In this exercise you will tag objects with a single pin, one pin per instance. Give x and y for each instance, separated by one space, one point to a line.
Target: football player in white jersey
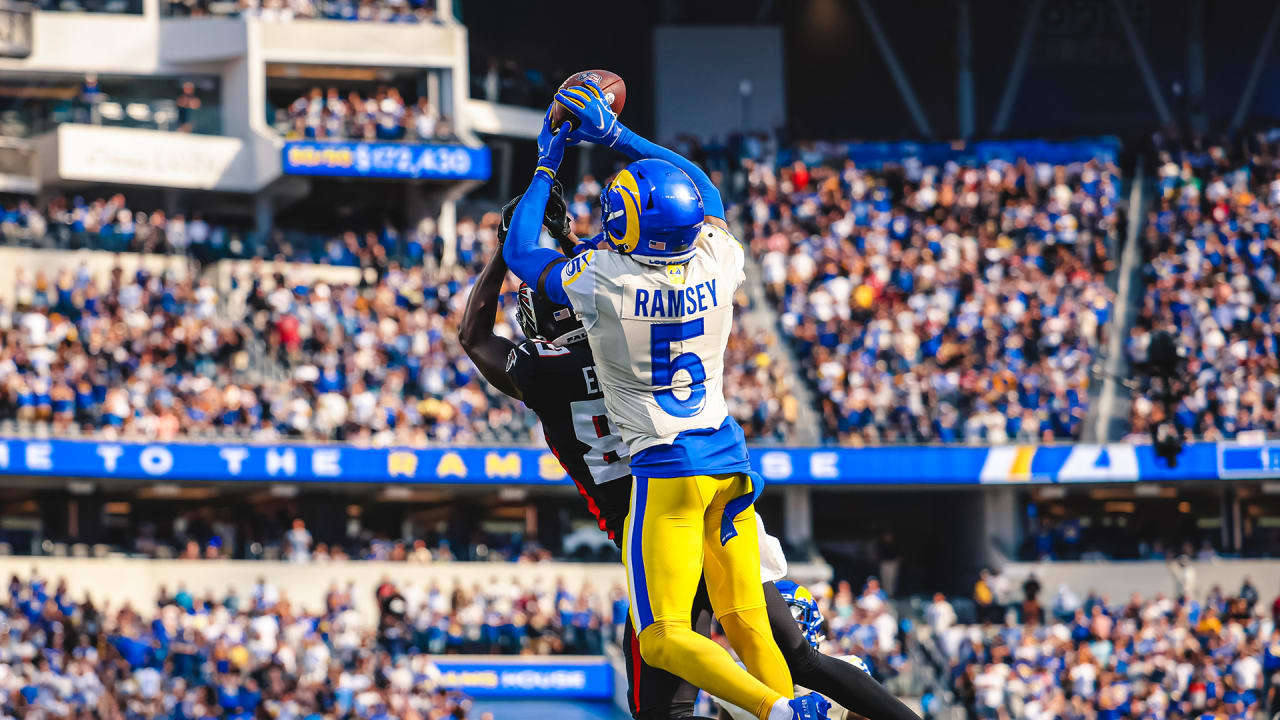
557 380
656 298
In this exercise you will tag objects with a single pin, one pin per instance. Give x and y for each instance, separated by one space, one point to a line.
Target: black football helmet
541 319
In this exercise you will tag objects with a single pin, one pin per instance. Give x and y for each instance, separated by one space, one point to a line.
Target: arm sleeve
529 262
638 148
577 280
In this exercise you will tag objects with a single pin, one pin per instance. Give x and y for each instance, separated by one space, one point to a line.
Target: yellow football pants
672 539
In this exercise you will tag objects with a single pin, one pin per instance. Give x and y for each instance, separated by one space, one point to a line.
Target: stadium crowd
864 624
381 115
109 223
373 361
939 303
397 11
1190 656
157 357
243 532
264 655
1181 656
1211 255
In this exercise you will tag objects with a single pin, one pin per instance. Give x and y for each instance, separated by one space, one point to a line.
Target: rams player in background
658 308
807 619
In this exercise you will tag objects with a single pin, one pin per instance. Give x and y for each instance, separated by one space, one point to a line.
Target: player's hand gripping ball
592 98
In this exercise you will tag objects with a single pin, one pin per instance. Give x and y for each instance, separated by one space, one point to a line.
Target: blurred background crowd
1041 654
920 304
380 115
269 655
1054 653
940 304
1211 255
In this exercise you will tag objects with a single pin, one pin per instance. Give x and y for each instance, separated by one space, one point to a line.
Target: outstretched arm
599 124
535 265
487 350
638 148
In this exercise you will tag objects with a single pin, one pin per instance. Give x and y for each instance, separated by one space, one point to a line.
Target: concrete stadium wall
137 581
709 101
1119 580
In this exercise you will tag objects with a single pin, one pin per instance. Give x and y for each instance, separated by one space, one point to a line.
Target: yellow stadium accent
629 190
451 464
549 467
402 462
1021 469
496 465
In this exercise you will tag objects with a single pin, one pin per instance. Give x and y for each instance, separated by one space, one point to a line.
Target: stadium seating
940 303
381 115
1149 655
266 650
927 303
276 10
156 357
376 362
1210 263
264 655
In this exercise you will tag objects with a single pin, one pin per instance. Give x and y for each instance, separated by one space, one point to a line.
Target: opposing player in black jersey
553 373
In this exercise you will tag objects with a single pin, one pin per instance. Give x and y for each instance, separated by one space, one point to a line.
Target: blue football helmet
804 609
653 212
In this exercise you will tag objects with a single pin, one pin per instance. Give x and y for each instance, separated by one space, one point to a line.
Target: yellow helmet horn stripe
629 191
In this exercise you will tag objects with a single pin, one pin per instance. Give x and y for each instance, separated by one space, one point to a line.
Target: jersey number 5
665 367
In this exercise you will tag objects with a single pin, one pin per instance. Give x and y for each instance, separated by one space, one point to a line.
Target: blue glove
551 145
585 245
597 121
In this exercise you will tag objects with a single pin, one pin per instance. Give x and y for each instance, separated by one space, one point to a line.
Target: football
615 93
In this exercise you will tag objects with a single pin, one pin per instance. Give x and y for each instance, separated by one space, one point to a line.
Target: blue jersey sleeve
526 259
638 148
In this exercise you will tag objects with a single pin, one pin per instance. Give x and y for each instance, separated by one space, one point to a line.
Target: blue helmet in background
652 211
803 608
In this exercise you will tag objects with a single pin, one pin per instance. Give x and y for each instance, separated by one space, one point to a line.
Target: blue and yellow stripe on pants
672 540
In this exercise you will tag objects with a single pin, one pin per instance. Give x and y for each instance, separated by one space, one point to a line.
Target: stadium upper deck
193 112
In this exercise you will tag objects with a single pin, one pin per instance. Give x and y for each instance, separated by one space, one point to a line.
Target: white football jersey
659 335
773 562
